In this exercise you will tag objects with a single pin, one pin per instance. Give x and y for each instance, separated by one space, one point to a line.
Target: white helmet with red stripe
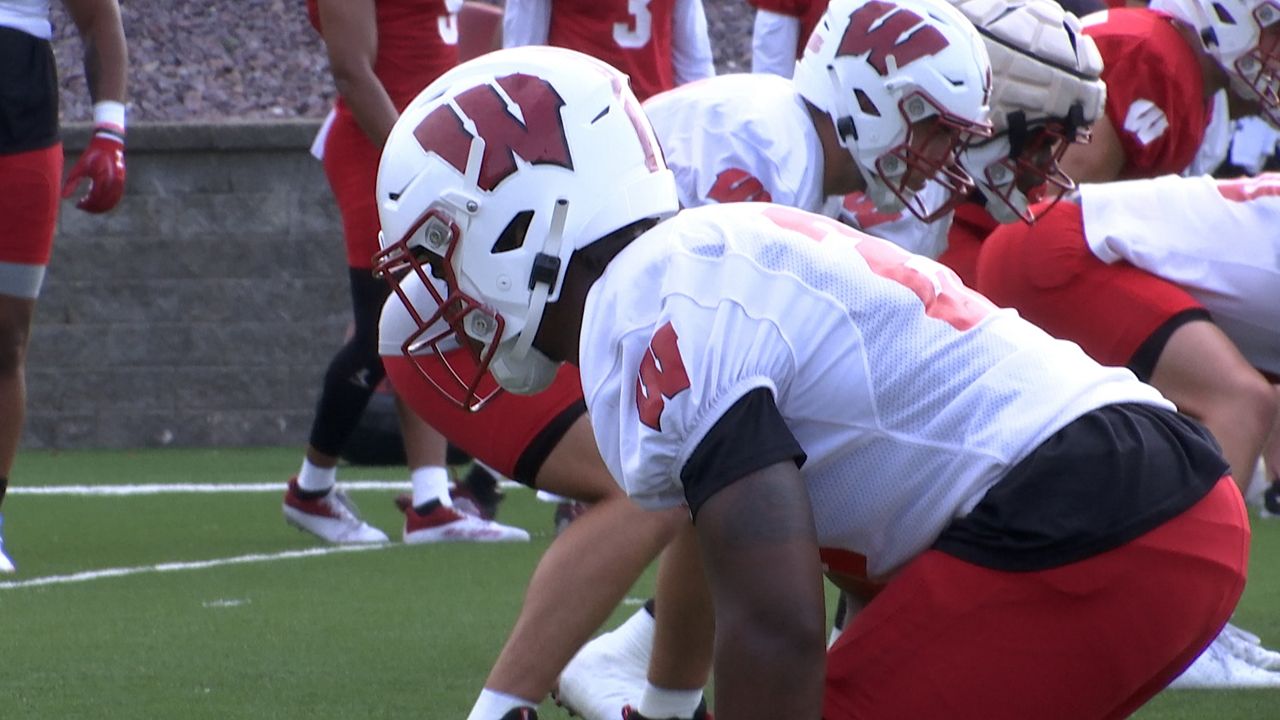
1244 37
879 68
491 178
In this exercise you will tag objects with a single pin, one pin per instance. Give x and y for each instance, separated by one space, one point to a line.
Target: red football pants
500 433
1092 639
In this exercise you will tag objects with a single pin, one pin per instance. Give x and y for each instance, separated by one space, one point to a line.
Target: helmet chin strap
542 279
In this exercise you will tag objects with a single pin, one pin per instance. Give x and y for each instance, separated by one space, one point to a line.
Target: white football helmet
492 177
1047 91
876 67
1235 33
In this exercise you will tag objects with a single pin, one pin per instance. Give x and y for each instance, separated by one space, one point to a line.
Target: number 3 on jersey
939 289
662 375
636 32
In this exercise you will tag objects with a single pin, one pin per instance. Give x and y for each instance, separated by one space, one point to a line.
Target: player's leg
546 441
1094 638
28 214
1204 374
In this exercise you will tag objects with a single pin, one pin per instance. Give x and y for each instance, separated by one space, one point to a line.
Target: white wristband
109 112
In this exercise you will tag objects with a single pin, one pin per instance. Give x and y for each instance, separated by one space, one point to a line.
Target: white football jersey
902 228
910 394
735 138
1217 239
29 16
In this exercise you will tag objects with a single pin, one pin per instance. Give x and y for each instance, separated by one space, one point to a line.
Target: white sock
430 483
492 705
313 478
662 703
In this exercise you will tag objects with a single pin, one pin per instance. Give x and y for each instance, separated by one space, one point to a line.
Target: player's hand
102 164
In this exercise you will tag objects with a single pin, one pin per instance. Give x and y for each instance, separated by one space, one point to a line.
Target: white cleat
610 672
331 517
1248 647
6 565
451 524
1219 667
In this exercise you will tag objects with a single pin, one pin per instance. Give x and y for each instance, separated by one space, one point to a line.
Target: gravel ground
197 60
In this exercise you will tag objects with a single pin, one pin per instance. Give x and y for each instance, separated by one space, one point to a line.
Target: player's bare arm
761 560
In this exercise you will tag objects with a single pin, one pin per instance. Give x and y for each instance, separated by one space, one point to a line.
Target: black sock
309 494
4 487
427 507
649 605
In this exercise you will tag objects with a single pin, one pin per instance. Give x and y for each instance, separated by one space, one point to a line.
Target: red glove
102 164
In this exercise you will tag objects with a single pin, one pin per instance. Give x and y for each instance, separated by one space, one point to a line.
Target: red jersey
1155 90
417 42
633 37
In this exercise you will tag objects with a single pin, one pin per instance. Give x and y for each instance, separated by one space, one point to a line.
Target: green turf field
206 605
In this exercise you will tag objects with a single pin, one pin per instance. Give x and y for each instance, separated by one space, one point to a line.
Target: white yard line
90 575
161 488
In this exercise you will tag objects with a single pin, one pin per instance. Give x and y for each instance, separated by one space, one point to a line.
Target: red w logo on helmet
887 39
537 136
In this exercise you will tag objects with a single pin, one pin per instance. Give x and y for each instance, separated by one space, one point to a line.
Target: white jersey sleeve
741 137
773 43
691 56
1217 239
526 22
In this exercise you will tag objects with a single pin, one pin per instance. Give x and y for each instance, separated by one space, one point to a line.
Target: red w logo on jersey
662 374
737 185
886 39
538 137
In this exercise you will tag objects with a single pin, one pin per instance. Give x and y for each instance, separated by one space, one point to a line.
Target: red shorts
351 165
1048 274
1092 639
508 427
29 196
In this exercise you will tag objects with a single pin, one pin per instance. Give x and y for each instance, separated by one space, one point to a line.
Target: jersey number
636 33
662 374
736 185
938 287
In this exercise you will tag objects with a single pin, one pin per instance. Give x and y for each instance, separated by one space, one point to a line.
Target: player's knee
355 365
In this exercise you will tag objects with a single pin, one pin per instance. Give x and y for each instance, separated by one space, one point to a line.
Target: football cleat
331 517
1248 647
609 673
520 714
449 524
1271 501
1219 667
630 713
6 565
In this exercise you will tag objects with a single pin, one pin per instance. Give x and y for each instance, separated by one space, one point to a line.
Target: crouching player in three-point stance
1055 540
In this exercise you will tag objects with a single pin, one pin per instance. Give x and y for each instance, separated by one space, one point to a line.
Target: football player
31 161
659 44
803 388
896 144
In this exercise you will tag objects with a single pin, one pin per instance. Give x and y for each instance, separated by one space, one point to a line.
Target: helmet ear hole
865 103
513 235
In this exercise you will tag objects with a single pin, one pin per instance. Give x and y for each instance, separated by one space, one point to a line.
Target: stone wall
203 310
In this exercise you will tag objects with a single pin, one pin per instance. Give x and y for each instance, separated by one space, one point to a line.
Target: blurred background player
713 386
31 163
659 44
381 53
